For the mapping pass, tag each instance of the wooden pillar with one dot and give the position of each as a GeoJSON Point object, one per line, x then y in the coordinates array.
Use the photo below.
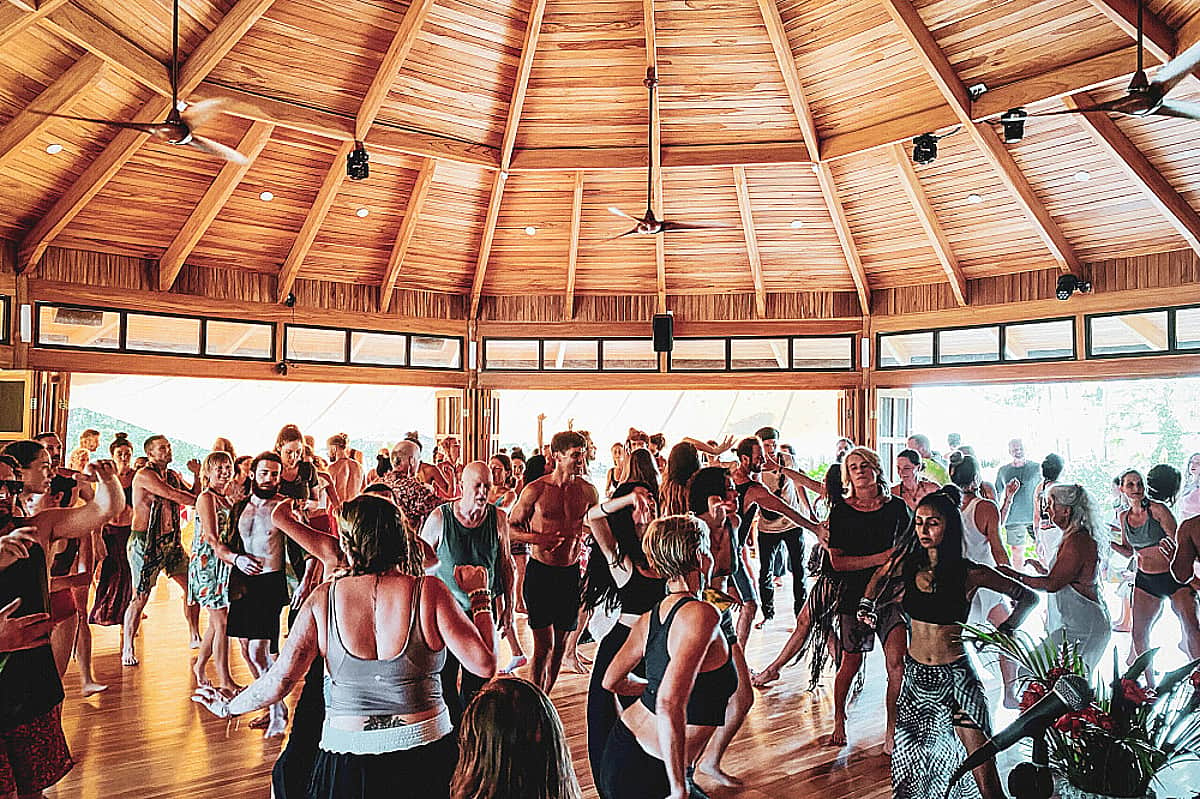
{"type": "Point", "coordinates": [481, 431]}
{"type": "Point", "coordinates": [52, 402]}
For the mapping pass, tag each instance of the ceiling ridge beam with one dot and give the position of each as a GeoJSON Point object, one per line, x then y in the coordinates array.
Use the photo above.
{"type": "Point", "coordinates": [334, 175]}
{"type": "Point", "coordinates": [1160, 39]}
{"type": "Point", "coordinates": [516, 104]}
{"type": "Point", "coordinates": [791, 76]}
{"type": "Point", "coordinates": [389, 68]}
{"type": "Point", "coordinates": [928, 219]}
{"type": "Point", "coordinates": [485, 243]}
{"type": "Point", "coordinates": [573, 246]}
{"type": "Point", "coordinates": [655, 150]}
{"type": "Point", "coordinates": [214, 199]}
{"type": "Point", "coordinates": [1109, 136]}
{"type": "Point", "coordinates": [82, 29]}
{"type": "Point", "coordinates": [404, 235]}
{"type": "Point", "coordinates": [17, 17]}
{"type": "Point", "coordinates": [203, 60]}
{"type": "Point", "coordinates": [742, 186]}
{"type": "Point", "coordinates": [57, 98]}
{"type": "Point", "coordinates": [841, 226]}
{"type": "Point", "coordinates": [954, 92]}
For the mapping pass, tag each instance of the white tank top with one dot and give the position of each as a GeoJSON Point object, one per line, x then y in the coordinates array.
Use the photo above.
{"type": "Point", "coordinates": [975, 544]}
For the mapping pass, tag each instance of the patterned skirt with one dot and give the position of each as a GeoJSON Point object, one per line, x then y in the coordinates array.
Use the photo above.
{"type": "Point", "coordinates": [208, 577]}
{"type": "Point", "coordinates": [115, 586]}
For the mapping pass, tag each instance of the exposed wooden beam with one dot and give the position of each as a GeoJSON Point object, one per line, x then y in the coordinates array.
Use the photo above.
{"type": "Point", "coordinates": [485, 244]}
{"type": "Point", "coordinates": [742, 186]}
{"type": "Point", "coordinates": [57, 98]}
{"type": "Point", "coordinates": [926, 48]}
{"type": "Point", "coordinates": [841, 226]}
{"type": "Point", "coordinates": [528, 50]}
{"type": "Point", "coordinates": [404, 236]}
{"type": "Point", "coordinates": [1106, 133]}
{"type": "Point", "coordinates": [655, 149]}
{"type": "Point", "coordinates": [16, 17]}
{"type": "Point", "coordinates": [1159, 38]}
{"type": "Point", "coordinates": [791, 75]}
{"type": "Point", "coordinates": [1154, 336]}
{"type": "Point", "coordinates": [573, 247]}
{"type": "Point", "coordinates": [203, 59]}
{"type": "Point", "coordinates": [389, 68]}
{"type": "Point", "coordinates": [83, 30]}
{"type": "Point", "coordinates": [334, 175]}
{"type": "Point", "coordinates": [674, 156]}
{"type": "Point", "coordinates": [928, 218]}
{"type": "Point", "coordinates": [210, 205]}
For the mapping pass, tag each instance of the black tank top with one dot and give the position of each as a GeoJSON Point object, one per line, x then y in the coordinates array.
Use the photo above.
{"type": "Point", "coordinates": [29, 682]}
{"type": "Point", "coordinates": [641, 593]}
{"type": "Point", "coordinates": [712, 690]}
{"type": "Point", "coordinates": [947, 603]}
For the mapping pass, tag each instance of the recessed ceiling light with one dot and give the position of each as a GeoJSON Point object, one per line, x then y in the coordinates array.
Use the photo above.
{"type": "Point", "coordinates": [361, 212]}
{"type": "Point", "coordinates": [974, 198]}
{"type": "Point", "coordinates": [1083, 176]}
{"type": "Point", "coordinates": [54, 149]}
{"type": "Point", "coordinates": [530, 230]}
{"type": "Point", "coordinates": [797, 223]}
{"type": "Point", "coordinates": [266, 196]}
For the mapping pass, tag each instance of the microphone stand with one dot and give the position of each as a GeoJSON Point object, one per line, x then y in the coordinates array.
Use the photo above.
{"type": "Point", "coordinates": [1033, 779]}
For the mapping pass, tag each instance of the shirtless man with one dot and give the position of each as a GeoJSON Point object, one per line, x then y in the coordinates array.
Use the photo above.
{"type": "Point", "coordinates": [154, 543]}
{"type": "Point", "coordinates": [346, 472]}
{"type": "Point", "coordinates": [429, 474]}
{"type": "Point", "coordinates": [549, 515]}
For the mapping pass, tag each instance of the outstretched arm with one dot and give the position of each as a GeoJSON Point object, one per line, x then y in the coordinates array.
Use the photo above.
{"type": "Point", "coordinates": [759, 495]}
{"type": "Point", "coordinates": [78, 522]}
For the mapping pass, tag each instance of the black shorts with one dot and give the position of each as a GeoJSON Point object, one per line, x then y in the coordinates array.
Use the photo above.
{"type": "Point", "coordinates": [552, 595]}
{"type": "Point", "coordinates": [255, 614]}
{"type": "Point", "coordinates": [1161, 585]}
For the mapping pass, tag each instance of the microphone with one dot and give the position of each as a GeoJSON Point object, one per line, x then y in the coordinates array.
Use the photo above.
{"type": "Point", "coordinates": [1070, 693]}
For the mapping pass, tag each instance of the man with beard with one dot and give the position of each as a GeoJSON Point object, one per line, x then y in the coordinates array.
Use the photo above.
{"type": "Point", "coordinates": [258, 586]}
{"type": "Point", "coordinates": [776, 530]}
{"type": "Point", "coordinates": [470, 531]}
{"type": "Point", "coordinates": [549, 515]}
{"type": "Point", "coordinates": [154, 541]}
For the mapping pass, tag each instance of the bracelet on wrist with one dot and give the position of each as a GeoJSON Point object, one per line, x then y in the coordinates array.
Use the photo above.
{"type": "Point", "coordinates": [480, 592]}
{"type": "Point", "coordinates": [478, 611]}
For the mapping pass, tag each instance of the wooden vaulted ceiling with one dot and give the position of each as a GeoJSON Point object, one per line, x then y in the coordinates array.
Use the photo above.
{"type": "Point", "coordinates": [785, 121]}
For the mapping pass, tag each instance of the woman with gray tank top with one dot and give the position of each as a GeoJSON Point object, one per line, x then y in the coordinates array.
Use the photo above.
{"type": "Point", "coordinates": [384, 630]}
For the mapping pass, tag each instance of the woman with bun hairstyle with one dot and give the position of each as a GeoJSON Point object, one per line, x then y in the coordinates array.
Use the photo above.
{"type": "Point", "coordinates": [114, 588]}
{"type": "Point", "coordinates": [942, 712]}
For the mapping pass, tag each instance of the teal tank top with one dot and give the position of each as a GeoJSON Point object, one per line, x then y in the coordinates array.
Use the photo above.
{"type": "Point", "coordinates": [1146, 534]}
{"type": "Point", "coordinates": [468, 546]}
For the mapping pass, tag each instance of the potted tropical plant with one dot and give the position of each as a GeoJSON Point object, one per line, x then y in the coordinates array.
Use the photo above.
{"type": "Point", "coordinates": [1127, 735]}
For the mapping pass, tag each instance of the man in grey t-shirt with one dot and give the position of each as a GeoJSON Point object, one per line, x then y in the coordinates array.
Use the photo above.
{"type": "Point", "coordinates": [1016, 482]}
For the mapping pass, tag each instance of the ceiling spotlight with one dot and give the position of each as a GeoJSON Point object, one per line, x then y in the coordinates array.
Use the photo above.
{"type": "Point", "coordinates": [530, 230]}
{"type": "Point", "coordinates": [290, 300]}
{"type": "Point", "coordinates": [356, 162]}
{"type": "Point", "coordinates": [974, 199]}
{"type": "Point", "coordinates": [1083, 176]}
{"type": "Point", "coordinates": [1013, 121]}
{"type": "Point", "coordinates": [281, 368]}
{"type": "Point", "coordinates": [54, 149]}
{"type": "Point", "coordinates": [924, 149]}
{"type": "Point", "coordinates": [361, 213]}
{"type": "Point", "coordinates": [797, 223]}
{"type": "Point", "coordinates": [1069, 285]}
{"type": "Point", "coordinates": [266, 196]}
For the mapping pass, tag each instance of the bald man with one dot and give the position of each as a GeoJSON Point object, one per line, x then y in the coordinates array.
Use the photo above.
{"type": "Point", "coordinates": [409, 493]}
{"type": "Point", "coordinates": [470, 531]}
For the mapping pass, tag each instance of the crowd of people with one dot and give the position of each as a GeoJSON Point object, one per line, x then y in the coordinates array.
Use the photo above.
{"type": "Point", "coordinates": [400, 583]}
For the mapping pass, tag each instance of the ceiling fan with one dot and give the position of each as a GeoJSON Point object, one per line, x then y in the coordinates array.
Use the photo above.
{"type": "Point", "coordinates": [649, 224]}
{"type": "Point", "coordinates": [183, 120]}
{"type": "Point", "coordinates": [1146, 97]}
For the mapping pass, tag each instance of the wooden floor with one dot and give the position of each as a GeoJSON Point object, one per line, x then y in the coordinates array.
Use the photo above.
{"type": "Point", "coordinates": [144, 738]}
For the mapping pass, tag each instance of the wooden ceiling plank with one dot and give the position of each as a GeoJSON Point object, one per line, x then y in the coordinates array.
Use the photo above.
{"type": "Point", "coordinates": [404, 236]}
{"type": "Point", "coordinates": [841, 226]}
{"type": "Point", "coordinates": [791, 76]}
{"type": "Point", "coordinates": [80, 28]}
{"type": "Point", "coordinates": [485, 244]}
{"type": "Point", "coordinates": [57, 98]}
{"type": "Point", "coordinates": [742, 185]}
{"type": "Point", "coordinates": [334, 175]}
{"type": "Point", "coordinates": [528, 50]}
{"type": "Point", "coordinates": [210, 205]}
{"type": "Point", "coordinates": [933, 229]}
{"type": "Point", "coordinates": [926, 48]}
{"type": "Point", "coordinates": [203, 60]}
{"type": "Point", "coordinates": [573, 251]}
{"type": "Point", "coordinates": [1159, 38]}
{"type": "Point", "coordinates": [389, 69]}
{"type": "Point", "coordinates": [18, 15]}
{"type": "Point", "coordinates": [1108, 135]}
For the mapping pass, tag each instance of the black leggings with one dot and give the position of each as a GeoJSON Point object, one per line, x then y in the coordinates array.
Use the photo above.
{"type": "Point", "coordinates": [458, 691]}
{"type": "Point", "coordinates": [628, 771]}
{"type": "Point", "coordinates": [293, 770]}
{"type": "Point", "coordinates": [601, 709]}
{"type": "Point", "coordinates": [768, 545]}
{"type": "Point", "coordinates": [421, 773]}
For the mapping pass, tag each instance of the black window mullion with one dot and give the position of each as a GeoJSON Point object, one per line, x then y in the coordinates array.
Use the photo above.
{"type": "Point", "coordinates": [541, 364]}
{"type": "Point", "coordinates": [1171, 339]}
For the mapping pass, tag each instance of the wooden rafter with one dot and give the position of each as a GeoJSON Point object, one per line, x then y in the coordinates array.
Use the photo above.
{"type": "Point", "coordinates": [1159, 38]}
{"type": "Point", "coordinates": [926, 48]}
{"type": "Point", "coordinates": [203, 60]}
{"type": "Point", "coordinates": [57, 98]}
{"type": "Point", "coordinates": [404, 236]}
{"type": "Point", "coordinates": [210, 205]}
{"type": "Point", "coordinates": [842, 226]}
{"type": "Point", "coordinates": [389, 68]}
{"type": "Point", "coordinates": [485, 244]}
{"type": "Point", "coordinates": [933, 229]}
{"type": "Point", "coordinates": [334, 175]}
{"type": "Point", "coordinates": [1106, 133]}
{"type": "Point", "coordinates": [742, 187]}
{"type": "Point", "coordinates": [16, 17]}
{"type": "Point", "coordinates": [573, 251]}
{"type": "Point", "coordinates": [85, 31]}
{"type": "Point", "coordinates": [655, 165]}
{"type": "Point", "coordinates": [791, 76]}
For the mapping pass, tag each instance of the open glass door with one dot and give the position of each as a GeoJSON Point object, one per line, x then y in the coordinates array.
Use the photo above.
{"type": "Point", "coordinates": [893, 416]}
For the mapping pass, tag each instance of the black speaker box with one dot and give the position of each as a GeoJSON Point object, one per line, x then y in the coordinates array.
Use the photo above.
{"type": "Point", "coordinates": [664, 332]}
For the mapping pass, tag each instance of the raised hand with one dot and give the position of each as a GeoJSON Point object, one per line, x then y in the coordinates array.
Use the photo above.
{"type": "Point", "coordinates": [102, 469]}
{"type": "Point", "coordinates": [26, 632]}
{"type": "Point", "coordinates": [471, 578]}
{"type": "Point", "coordinates": [15, 545]}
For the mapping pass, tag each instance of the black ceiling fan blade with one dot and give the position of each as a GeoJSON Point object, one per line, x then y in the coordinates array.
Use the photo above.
{"type": "Point", "coordinates": [1179, 109]}
{"type": "Point", "coordinates": [1178, 68]}
{"type": "Point", "coordinates": [632, 232]}
{"type": "Point", "coordinates": [668, 225]}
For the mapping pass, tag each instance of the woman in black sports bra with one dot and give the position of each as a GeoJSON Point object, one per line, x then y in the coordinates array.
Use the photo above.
{"type": "Point", "coordinates": [690, 675]}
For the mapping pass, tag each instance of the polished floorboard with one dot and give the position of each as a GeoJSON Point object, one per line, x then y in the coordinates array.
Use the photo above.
{"type": "Point", "coordinates": [144, 739]}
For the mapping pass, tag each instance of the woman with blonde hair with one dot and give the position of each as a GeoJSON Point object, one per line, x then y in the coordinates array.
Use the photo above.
{"type": "Point", "coordinates": [209, 567]}
{"type": "Point", "coordinates": [511, 745]}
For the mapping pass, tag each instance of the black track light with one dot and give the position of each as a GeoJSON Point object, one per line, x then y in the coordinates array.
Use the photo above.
{"type": "Point", "coordinates": [1069, 284]}
{"type": "Point", "coordinates": [281, 368]}
{"type": "Point", "coordinates": [924, 149]}
{"type": "Point", "coordinates": [356, 162]}
{"type": "Point", "coordinates": [1013, 121]}
{"type": "Point", "coordinates": [290, 300]}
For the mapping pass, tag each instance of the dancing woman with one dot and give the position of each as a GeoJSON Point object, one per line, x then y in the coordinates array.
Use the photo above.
{"type": "Point", "coordinates": [209, 567]}
{"type": "Point", "coordinates": [114, 588]}
{"type": "Point", "coordinates": [912, 486]}
{"type": "Point", "coordinates": [690, 675]}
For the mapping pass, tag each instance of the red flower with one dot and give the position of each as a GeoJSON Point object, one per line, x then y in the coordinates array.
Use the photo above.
{"type": "Point", "coordinates": [1133, 692]}
{"type": "Point", "coordinates": [1074, 724]}
{"type": "Point", "coordinates": [1033, 693]}
{"type": "Point", "coordinates": [1071, 724]}
{"type": "Point", "coordinates": [1195, 679]}
{"type": "Point", "coordinates": [1057, 672]}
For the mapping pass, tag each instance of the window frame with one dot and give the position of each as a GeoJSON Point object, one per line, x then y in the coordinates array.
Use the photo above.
{"type": "Point", "coordinates": [1003, 344]}
{"type": "Point", "coordinates": [1171, 337]}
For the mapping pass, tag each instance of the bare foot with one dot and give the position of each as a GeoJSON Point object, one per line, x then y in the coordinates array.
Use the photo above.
{"type": "Point", "coordinates": [514, 664]}
{"type": "Point", "coordinates": [1122, 627]}
{"type": "Point", "coordinates": [758, 625]}
{"type": "Point", "coordinates": [260, 722]}
{"type": "Point", "coordinates": [92, 688]}
{"type": "Point", "coordinates": [889, 744]}
{"type": "Point", "coordinates": [764, 677]}
{"type": "Point", "coordinates": [718, 775]}
{"type": "Point", "coordinates": [838, 736]}
{"type": "Point", "coordinates": [573, 666]}
{"type": "Point", "coordinates": [128, 658]}
{"type": "Point", "coordinates": [198, 672]}
{"type": "Point", "coordinates": [229, 688]}
{"type": "Point", "coordinates": [587, 661]}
